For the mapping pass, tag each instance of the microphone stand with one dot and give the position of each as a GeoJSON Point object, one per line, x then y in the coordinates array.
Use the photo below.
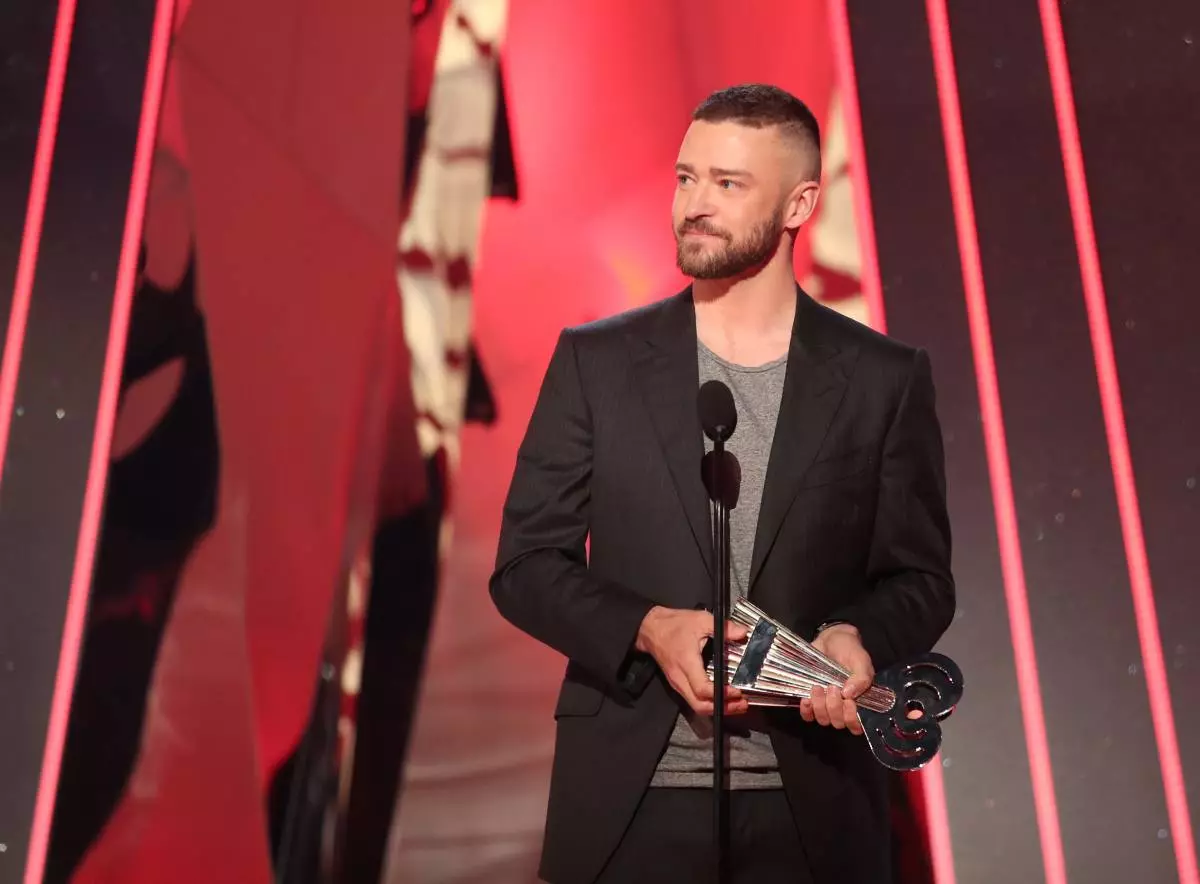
{"type": "Point", "coordinates": [720, 528]}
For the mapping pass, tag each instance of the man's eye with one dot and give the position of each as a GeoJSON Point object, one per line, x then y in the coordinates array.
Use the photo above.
{"type": "Point", "coordinates": [727, 184]}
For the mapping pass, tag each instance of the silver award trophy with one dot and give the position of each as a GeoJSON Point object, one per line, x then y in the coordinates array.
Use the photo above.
{"type": "Point", "coordinates": [775, 667]}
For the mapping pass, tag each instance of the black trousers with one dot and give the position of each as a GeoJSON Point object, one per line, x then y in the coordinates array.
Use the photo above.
{"type": "Point", "coordinates": [670, 840]}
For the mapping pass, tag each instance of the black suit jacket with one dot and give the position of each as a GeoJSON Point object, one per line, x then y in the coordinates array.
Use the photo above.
{"type": "Point", "coordinates": [852, 526]}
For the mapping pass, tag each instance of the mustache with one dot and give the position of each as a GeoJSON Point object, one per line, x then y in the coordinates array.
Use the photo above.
{"type": "Point", "coordinates": [701, 226]}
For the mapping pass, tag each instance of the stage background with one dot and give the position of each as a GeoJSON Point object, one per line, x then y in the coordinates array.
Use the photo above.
{"type": "Point", "coordinates": [325, 304]}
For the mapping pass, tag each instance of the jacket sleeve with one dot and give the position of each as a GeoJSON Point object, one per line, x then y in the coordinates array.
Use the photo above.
{"type": "Point", "coordinates": [911, 596]}
{"type": "Point", "coordinates": [541, 583]}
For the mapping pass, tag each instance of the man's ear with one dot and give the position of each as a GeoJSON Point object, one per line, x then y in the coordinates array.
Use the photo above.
{"type": "Point", "coordinates": [801, 204]}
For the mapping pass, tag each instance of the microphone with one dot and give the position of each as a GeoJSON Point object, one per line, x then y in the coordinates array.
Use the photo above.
{"type": "Point", "coordinates": [718, 417]}
{"type": "Point", "coordinates": [718, 414]}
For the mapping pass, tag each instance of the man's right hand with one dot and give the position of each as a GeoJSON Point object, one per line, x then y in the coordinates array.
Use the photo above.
{"type": "Point", "coordinates": [675, 638]}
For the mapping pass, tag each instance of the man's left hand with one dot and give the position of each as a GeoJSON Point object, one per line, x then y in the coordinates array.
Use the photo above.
{"type": "Point", "coordinates": [835, 707]}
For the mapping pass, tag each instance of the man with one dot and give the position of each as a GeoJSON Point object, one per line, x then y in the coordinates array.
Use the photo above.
{"type": "Point", "coordinates": [839, 531]}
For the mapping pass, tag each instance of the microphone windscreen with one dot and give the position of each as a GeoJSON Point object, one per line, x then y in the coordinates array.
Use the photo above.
{"type": "Point", "coordinates": [718, 414]}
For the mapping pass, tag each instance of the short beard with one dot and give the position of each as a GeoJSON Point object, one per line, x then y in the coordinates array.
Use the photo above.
{"type": "Point", "coordinates": [737, 258]}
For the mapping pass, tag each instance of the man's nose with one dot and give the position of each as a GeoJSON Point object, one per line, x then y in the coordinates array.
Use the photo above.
{"type": "Point", "coordinates": [698, 207]}
{"type": "Point", "coordinates": [699, 202]}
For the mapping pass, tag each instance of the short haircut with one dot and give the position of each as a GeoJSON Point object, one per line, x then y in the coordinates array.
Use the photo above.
{"type": "Point", "coordinates": [757, 105]}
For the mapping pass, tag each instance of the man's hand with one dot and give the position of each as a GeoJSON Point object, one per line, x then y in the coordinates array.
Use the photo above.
{"type": "Point", "coordinates": [836, 707]}
{"type": "Point", "coordinates": [674, 638]}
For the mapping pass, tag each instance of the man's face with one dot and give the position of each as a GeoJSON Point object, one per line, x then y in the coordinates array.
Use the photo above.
{"type": "Point", "coordinates": [729, 208]}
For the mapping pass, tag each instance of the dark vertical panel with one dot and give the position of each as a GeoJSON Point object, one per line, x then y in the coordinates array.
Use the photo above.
{"type": "Point", "coordinates": [1136, 72]}
{"type": "Point", "coordinates": [1106, 774]}
{"type": "Point", "coordinates": [57, 395]}
{"type": "Point", "coordinates": [160, 499]}
{"type": "Point", "coordinates": [990, 804]}
{"type": "Point", "coordinates": [26, 32]}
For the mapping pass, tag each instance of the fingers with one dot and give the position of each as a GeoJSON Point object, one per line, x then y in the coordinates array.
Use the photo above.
{"type": "Point", "coordinates": [693, 670]}
{"type": "Point", "coordinates": [735, 703]}
{"type": "Point", "coordinates": [679, 681]}
{"type": "Point", "coordinates": [855, 685]}
{"type": "Point", "coordinates": [680, 659]}
{"type": "Point", "coordinates": [706, 694]}
{"type": "Point", "coordinates": [706, 626]}
{"type": "Point", "coordinates": [735, 633]}
{"type": "Point", "coordinates": [830, 708]}
{"type": "Point", "coordinates": [850, 712]}
{"type": "Point", "coordinates": [820, 708]}
{"type": "Point", "coordinates": [836, 707]}
{"type": "Point", "coordinates": [701, 699]}
{"type": "Point", "coordinates": [688, 677]}
{"type": "Point", "coordinates": [702, 691]}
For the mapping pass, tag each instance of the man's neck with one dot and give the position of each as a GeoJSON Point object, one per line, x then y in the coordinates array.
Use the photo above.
{"type": "Point", "coordinates": [748, 320]}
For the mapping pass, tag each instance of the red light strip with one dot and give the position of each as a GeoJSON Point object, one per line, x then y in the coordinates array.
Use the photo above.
{"type": "Point", "coordinates": [81, 579]}
{"type": "Point", "coordinates": [31, 237]}
{"type": "Point", "coordinates": [1157, 685]}
{"type": "Point", "coordinates": [996, 443]}
{"type": "Point", "coordinates": [937, 818]}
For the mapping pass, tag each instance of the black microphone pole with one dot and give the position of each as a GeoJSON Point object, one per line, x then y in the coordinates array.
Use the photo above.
{"type": "Point", "coordinates": [720, 676]}
{"type": "Point", "coordinates": [718, 417]}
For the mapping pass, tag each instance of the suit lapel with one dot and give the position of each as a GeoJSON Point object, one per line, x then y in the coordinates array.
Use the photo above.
{"type": "Point", "coordinates": [818, 372]}
{"type": "Point", "coordinates": [665, 364]}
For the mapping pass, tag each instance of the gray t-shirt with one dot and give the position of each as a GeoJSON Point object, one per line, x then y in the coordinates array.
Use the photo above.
{"type": "Point", "coordinates": [687, 761]}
